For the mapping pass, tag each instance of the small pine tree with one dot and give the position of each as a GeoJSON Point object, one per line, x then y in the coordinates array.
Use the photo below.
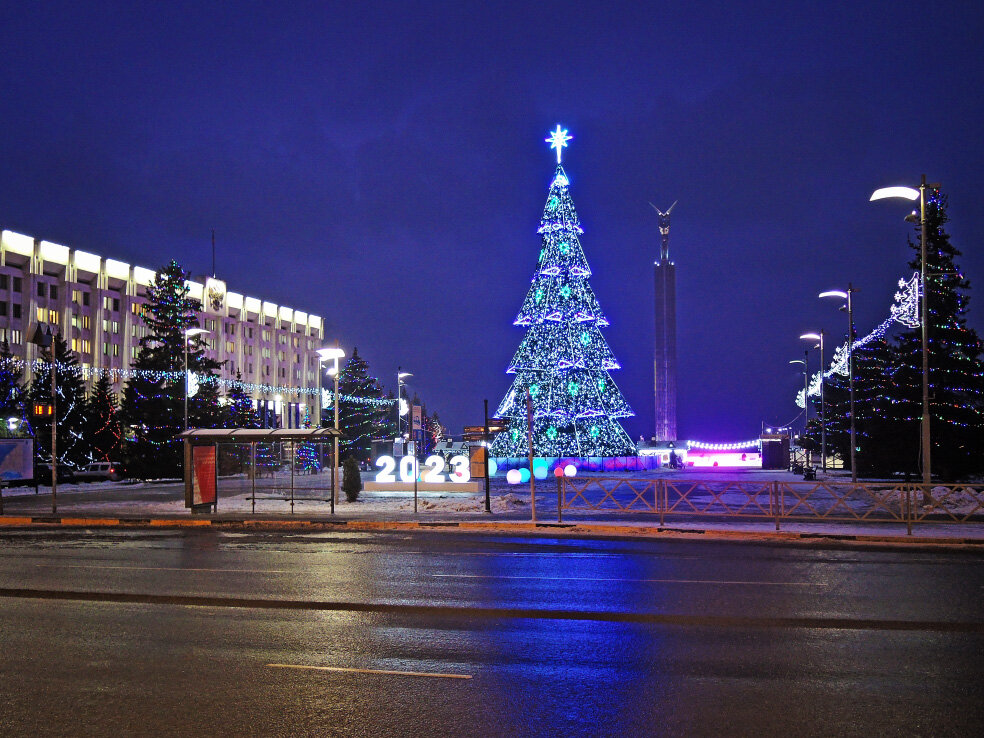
{"type": "Point", "coordinates": [73, 448]}
{"type": "Point", "coordinates": [103, 428]}
{"type": "Point", "coordinates": [351, 478]}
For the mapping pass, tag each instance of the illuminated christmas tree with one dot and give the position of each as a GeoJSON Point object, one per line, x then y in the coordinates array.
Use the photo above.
{"type": "Point", "coordinates": [364, 415]}
{"type": "Point", "coordinates": [563, 362]}
{"type": "Point", "coordinates": [73, 448]}
{"type": "Point", "coordinates": [104, 431]}
{"type": "Point", "coordinates": [154, 397]}
{"type": "Point", "coordinates": [12, 388]}
{"type": "Point", "coordinates": [956, 373]}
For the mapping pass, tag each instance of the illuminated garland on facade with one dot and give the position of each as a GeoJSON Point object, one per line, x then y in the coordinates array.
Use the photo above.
{"type": "Point", "coordinates": [87, 372]}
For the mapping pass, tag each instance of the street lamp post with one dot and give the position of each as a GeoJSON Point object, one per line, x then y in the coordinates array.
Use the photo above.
{"type": "Point", "coordinates": [334, 353]}
{"type": "Point", "coordinates": [188, 333]}
{"type": "Point", "coordinates": [46, 339]}
{"type": "Point", "coordinates": [823, 414]}
{"type": "Point", "coordinates": [908, 193]}
{"type": "Point", "coordinates": [806, 402]}
{"type": "Point", "coordinates": [400, 376]}
{"type": "Point", "coordinates": [850, 364]}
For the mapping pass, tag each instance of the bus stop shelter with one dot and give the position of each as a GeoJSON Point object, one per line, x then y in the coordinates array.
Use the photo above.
{"type": "Point", "coordinates": [270, 464]}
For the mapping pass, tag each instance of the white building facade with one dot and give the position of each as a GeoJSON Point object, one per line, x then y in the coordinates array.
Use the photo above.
{"type": "Point", "coordinates": [96, 304]}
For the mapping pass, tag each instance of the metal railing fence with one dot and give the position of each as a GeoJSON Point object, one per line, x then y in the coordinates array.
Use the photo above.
{"type": "Point", "coordinates": [773, 500]}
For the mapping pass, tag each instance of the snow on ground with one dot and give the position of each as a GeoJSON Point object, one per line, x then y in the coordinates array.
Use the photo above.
{"type": "Point", "coordinates": [704, 494]}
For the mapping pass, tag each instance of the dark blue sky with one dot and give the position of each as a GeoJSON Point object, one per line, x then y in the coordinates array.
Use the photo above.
{"type": "Point", "coordinates": [383, 165]}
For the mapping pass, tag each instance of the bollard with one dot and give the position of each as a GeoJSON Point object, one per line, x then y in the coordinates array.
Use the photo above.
{"type": "Point", "coordinates": [560, 497]}
{"type": "Point", "coordinates": [776, 497]}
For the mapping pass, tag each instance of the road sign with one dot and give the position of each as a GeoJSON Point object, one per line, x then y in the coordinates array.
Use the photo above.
{"type": "Point", "coordinates": [477, 432]}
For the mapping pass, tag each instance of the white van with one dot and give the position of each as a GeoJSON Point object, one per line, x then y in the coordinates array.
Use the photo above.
{"type": "Point", "coordinates": [99, 470]}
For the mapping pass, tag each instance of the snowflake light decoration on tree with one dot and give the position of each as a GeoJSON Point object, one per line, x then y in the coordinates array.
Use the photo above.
{"type": "Point", "coordinates": [563, 361]}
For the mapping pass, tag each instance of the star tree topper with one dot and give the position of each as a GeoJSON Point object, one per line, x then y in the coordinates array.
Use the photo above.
{"type": "Point", "coordinates": [558, 140]}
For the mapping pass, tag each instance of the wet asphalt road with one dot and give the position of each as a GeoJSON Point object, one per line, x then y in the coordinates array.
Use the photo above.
{"type": "Point", "coordinates": [213, 633]}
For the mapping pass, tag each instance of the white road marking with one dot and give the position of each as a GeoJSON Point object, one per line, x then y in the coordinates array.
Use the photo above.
{"type": "Point", "coordinates": [163, 568]}
{"type": "Point", "coordinates": [614, 579]}
{"type": "Point", "coordinates": [370, 671]}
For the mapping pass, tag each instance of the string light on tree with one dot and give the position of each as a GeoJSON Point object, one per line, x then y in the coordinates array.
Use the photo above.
{"type": "Point", "coordinates": [563, 361]}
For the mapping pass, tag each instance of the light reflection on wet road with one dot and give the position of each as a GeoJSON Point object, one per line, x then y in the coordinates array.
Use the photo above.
{"type": "Point", "coordinates": [177, 631]}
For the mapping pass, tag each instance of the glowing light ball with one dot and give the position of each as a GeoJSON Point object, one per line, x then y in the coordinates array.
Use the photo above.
{"type": "Point", "coordinates": [524, 475]}
{"type": "Point", "coordinates": [493, 468]}
{"type": "Point", "coordinates": [513, 476]}
{"type": "Point", "coordinates": [540, 469]}
{"type": "Point", "coordinates": [570, 470]}
{"type": "Point", "coordinates": [559, 471]}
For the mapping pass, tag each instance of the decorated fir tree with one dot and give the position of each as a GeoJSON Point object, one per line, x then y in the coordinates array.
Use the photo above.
{"type": "Point", "coordinates": [12, 390]}
{"type": "Point", "coordinates": [881, 450]}
{"type": "Point", "coordinates": [362, 410]}
{"type": "Point", "coordinates": [103, 429]}
{"type": "Point", "coordinates": [563, 362]}
{"type": "Point", "coordinates": [153, 400]}
{"type": "Point", "coordinates": [73, 448]}
{"type": "Point", "coordinates": [956, 374]}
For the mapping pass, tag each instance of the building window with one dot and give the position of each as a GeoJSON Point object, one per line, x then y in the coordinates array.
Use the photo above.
{"type": "Point", "coordinates": [18, 282]}
{"type": "Point", "coordinates": [53, 292]}
{"type": "Point", "coordinates": [17, 310]}
{"type": "Point", "coordinates": [41, 289]}
{"type": "Point", "coordinates": [282, 355]}
{"type": "Point", "coordinates": [53, 317]}
{"type": "Point", "coordinates": [16, 337]}
{"type": "Point", "coordinates": [3, 309]}
{"type": "Point", "coordinates": [230, 346]}
{"type": "Point", "coordinates": [85, 299]}
{"type": "Point", "coordinates": [4, 282]}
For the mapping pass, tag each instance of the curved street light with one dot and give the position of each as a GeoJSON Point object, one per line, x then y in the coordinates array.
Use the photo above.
{"type": "Point", "coordinates": [823, 414]}
{"type": "Point", "coordinates": [332, 353]}
{"type": "Point", "coordinates": [188, 334]}
{"type": "Point", "coordinates": [909, 193]}
{"type": "Point", "coordinates": [846, 296]}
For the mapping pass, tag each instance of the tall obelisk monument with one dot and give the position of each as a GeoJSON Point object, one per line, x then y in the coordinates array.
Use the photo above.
{"type": "Point", "coordinates": [665, 350]}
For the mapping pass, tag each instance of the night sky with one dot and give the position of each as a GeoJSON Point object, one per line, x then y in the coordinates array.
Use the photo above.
{"type": "Point", "coordinates": [383, 165]}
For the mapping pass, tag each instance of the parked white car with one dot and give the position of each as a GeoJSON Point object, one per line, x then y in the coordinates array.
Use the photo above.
{"type": "Point", "coordinates": [100, 470]}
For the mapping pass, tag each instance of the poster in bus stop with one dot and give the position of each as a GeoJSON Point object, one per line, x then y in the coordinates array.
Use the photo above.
{"type": "Point", "coordinates": [203, 477]}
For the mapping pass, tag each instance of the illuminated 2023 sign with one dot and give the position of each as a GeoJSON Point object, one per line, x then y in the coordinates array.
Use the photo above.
{"type": "Point", "coordinates": [433, 471]}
